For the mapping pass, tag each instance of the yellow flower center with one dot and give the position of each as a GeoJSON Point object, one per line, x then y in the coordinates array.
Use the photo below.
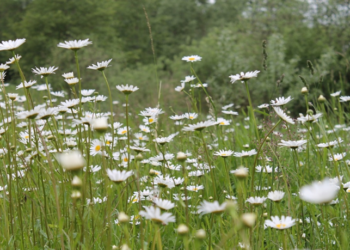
{"type": "Point", "coordinates": [222, 123]}
{"type": "Point", "coordinates": [281, 225]}
{"type": "Point", "coordinates": [191, 117]}
{"type": "Point", "coordinates": [140, 138]}
{"type": "Point", "coordinates": [107, 142]}
{"type": "Point", "coordinates": [191, 59]}
{"type": "Point", "coordinates": [26, 137]}
{"type": "Point", "coordinates": [125, 159]}
{"type": "Point", "coordinates": [134, 200]}
{"type": "Point", "coordinates": [150, 120]}
{"type": "Point", "coordinates": [195, 189]}
{"type": "Point", "coordinates": [98, 148]}
{"type": "Point", "coordinates": [124, 131]}
{"type": "Point", "coordinates": [223, 154]}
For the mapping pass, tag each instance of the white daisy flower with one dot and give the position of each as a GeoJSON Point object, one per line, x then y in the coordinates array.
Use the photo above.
{"type": "Point", "coordinates": [245, 153]}
{"type": "Point", "coordinates": [292, 144]}
{"type": "Point", "coordinates": [70, 103]}
{"type": "Point", "coordinates": [283, 223]}
{"type": "Point", "coordinates": [344, 98]}
{"type": "Point", "coordinates": [329, 144]}
{"type": "Point", "coordinates": [100, 66]}
{"type": "Point", "coordinates": [280, 101]}
{"type": "Point", "coordinates": [71, 160]}
{"type": "Point", "coordinates": [195, 188]}
{"type": "Point", "coordinates": [87, 92]}
{"type": "Point", "coordinates": [244, 76]}
{"type": "Point", "coordinates": [263, 106]}
{"type": "Point", "coordinates": [283, 115]}
{"type": "Point", "coordinates": [188, 79]}
{"type": "Point", "coordinates": [71, 81]}
{"type": "Point", "coordinates": [180, 88]}
{"type": "Point", "coordinates": [45, 71]}
{"type": "Point", "coordinates": [163, 204]}
{"type": "Point", "coordinates": [336, 93]}
{"type": "Point", "coordinates": [12, 60]}
{"type": "Point", "coordinates": [26, 84]}
{"type": "Point", "coordinates": [57, 93]}
{"type": "Point", "coordinates": [164, 181]}
{"type": "Point", "coordinates": [266, 169]}
{"type": "Point", "coordinates": [126, 89]}
{"type": "Point", "coordinates": [96, 147]}
{"type": "Point", "coordinates": [190, 116]}
{"type": "Point", "coordinates": [319, 192]}
{"type": "Point", "coordinates": [275, 195]}
{"type": "Point", "coordinates": [68, 75]}
{"type": "Point", "coordinates": [118, 176]}
{"type": "Point", "coordinates": [207, 207]}
{"type": "Point", "coordinates": [154, 214]}
{"type": "Point", "coordinates": [3, 67]}
{"type": "Point", "coordinates": [337, 157]}
{"type": "Point", "coordinates": [199, 85]}
{"type": "Point", "coordinates": [229, 112]}
{"type": "Point", "coordinates": [11, 44]}
{"type": "Point", "coordinates": [193, 58]}
{"type": "Point", "coordinates": [228, 106]}
{"type": "Point", "coordinates": [199, 126]}
{"type": "Point", "coordinates": [75, 44]}
{"type": "Point", "coordinates": [256, 200]}
{"type": "Point", "coordinates": [224, 153]}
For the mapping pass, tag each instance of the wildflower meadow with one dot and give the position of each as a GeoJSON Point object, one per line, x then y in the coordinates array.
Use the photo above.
{"type": "Point", "coordinates": [81, 170]}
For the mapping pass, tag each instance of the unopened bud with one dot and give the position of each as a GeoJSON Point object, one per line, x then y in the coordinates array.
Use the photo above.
{"type": "Point", "coordinates": [182, 229]}
{"type": "Point", "coordinates": [76, 194]}
{"type": "Point", "coordinates": [123, 217]}
{"type": "Point", "coordinates": [77, 182]}
{"type": "Point", "coordinates": [139, 157]}
{"type": "Point", "coordinates": [201, 234]}
{"type": "Point", "coordinates": [181, 156]}
{"type": "Point", "coordinates": [249, 219]}
{"type": "Point", "coordinates": [100, 124]}
{"type": "Point", "coordinates": [321, 98]}
{"type": "Point", "coordinates": [304, 90]}
{"type": "Point", "coordinates": [241, 173]}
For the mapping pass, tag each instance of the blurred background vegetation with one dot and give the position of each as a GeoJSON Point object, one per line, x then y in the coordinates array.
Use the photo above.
{"type": "Point", "coordinates": [228, 34]}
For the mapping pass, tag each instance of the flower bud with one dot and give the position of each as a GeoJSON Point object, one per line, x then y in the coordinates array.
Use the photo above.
{"type": "Point", "coordinates": [123, 217]}
{"type": "Point", "coordinates": [182, 229]}
{"type": "Point", "coordinates": [241, 173]}
{"type": "Point", "coordinates": [181, 156]}
{"type": "Point", "coordinates": [77, 182]}
{"type": "Point", "coordinates": [100, 124]}
{"type": "Point", "coordinates": [249, 219]}
{"type": "Point", "coordinates": [125, 247]}
{"type": "Point", "coordinates": [321, 98]}
{"type": "Point", "coordinates": [201, 234]}
{"type": "Point", "coordinates": [304, 91]}
{"type": "Point", "coordinates": [139, 157]}
{"type": "Point", "coordinates": [76, 194]}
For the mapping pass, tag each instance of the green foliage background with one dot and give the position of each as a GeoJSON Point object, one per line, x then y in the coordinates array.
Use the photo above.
{"type": "Point", "coordinates": [227, 34]}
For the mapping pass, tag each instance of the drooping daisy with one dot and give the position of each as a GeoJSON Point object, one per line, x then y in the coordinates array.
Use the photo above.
{"type": "Point", "coordinates": [154, 214]}
{"type": "Point", "coordinates": [100, 66]}
{"type": "Point", "coordinates": [207, 207]}
{"type": "Point", "coordinates": [75, 44]}
{"type": "Point", "coordinates": [280, 101]}
{"type": "Point", "coordinates": [11, 44]}
{"type": "Point", "coordinates": [283, 115]}
{"type": "Point", "coordinates": [283, 223]}
{"type": "Point", "coordinates": [127, 89]}
{"type": "Point", "coordinates": [96, 147]}
{"type": "Point", "coordinates": [224, 153]}
{"type": "Point", "coordinates": [275, 195]}
{"type": "Point", "coordinates": [193, 58]}
{"type": "Point", "coordinates": [319, 192]}
{"type": "Point", "coordinates": [244, 76]}
{"type": "Point", "coordinates": [118, 176]}
{"type": "Point", "coordinates": [292, 144]}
